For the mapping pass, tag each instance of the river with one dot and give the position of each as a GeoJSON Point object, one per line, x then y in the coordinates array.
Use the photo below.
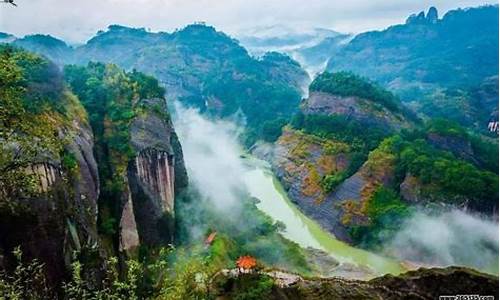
{"type": "Point", "coordinates": [216, 166]}
{"type": "Point", "coordinates": [262, 184]}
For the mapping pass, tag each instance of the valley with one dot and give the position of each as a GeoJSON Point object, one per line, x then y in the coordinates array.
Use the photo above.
{"type": "Point", "coordinates": [192, 165]}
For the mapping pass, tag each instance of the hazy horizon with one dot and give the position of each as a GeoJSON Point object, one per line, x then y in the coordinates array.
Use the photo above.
{"type": "Point", "coordinates": [233, 17]}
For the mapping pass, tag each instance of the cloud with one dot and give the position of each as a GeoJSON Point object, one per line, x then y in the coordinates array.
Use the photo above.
{"type": "Point", "coordinates": [451, 238]}
{"type": "Point", "coordinates": [77, 21]}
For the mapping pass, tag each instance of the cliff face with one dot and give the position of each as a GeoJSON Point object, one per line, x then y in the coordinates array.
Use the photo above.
{"type": "Point", "coordinates": [61, 218]}
{"type": "Point", "coordinates": [301, 162]}
{"type": "Point", "coordinates": [154, 176]}
{"type": "Point", "coordinates": [323, 172]}
{"type": "Point", "coordinates": [362, 110]}
{"type": "Point", "coordinates": [83, 178]}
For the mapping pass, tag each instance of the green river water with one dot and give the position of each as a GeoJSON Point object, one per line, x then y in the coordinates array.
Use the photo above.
{"type": "Point", "coordinates": [262, 184]}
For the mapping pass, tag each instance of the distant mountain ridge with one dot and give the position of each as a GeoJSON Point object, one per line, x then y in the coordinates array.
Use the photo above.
{"type": "Point", "coordinates": [197, 65]}
{"type": "Point", "coordinates": [437, 64]}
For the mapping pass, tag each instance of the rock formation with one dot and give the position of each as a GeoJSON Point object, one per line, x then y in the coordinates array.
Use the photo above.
{"type": "Point", "coordinates": [155, 174]}
{"type": "Point", "coordinates": [419, 284]}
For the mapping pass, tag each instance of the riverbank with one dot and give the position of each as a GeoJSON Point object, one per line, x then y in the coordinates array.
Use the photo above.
{"type": "Point", "coordinates": [354, 262]}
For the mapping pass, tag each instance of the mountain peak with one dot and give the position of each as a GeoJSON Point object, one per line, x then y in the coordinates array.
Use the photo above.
{"type": "Point", "coordinates": [422, 18]}
{"type": "Point", "coordinates": [43, 39]}
{"type": "Point", "coordinates": [432, 15]}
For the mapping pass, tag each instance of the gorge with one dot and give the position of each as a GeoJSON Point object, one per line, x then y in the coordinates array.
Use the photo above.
{"type": "Point", "coordinates": [157, 165]}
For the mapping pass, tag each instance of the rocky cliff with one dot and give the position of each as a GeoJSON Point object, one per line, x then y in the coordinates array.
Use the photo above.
{"type": "Point", "coordinates": [301, 162]}
{"type": "Point", "coordinates": [419, 284]}
{"type": "Point", "coordinates": [154, 176]}
{"type": "Point", "coordinates": [60, 219]}
{"type": "Point", "coordinates": [365, 111]}
{"type": "Point", "coordinates": [83, 182]}
{"type": "Point", "coordinates": [324, 162]}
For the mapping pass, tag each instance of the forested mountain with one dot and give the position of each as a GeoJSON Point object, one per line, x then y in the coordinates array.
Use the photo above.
{"type": "Point", "coordinates": [197, 65]}
{"type": "Point", "coordinates": [78, 181]}
{"type": "Point", "coordinates": [357, 161]}
{"type": "Point", "coordinates": [440, 65]}
{"type": "Point", "coordinates": [53, 48]}
{"type": "Point", "coordinates": [93, 185]}
{"type": "Point", "coordinates": [386, 165]}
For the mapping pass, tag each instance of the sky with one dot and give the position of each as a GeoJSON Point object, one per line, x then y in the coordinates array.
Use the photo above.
{"type": "Point", "coordinates": [77, 21]}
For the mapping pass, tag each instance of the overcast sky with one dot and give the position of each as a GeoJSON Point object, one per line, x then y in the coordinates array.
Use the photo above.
{"type": "Point", "coordinates": [77, 21]}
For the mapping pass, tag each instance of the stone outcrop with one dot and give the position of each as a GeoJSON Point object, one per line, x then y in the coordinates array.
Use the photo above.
{"type": "Point", "coordinates": [129, 238]}
{"type": "Point", "coordinates": [419, 284]}
{"type": "Point", "coordinates": [300, 161]}
{"type": "Point", "coordinates": [421, 18]}
{"type": "Point", "coordinates": [367, 112]}
{"type": "Point", "coordinates": [432, 15]}
{"type": "Point", "coordinates": [46, 175]}
{"type": "Point", "coordinates": [61, 218]}
{"type": "Point", "coordinates": [155, 170]}
{"type": "Point", "coordinates": [154, 177]}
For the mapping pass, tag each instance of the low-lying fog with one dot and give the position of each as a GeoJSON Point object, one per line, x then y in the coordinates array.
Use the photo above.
{"type": "Point", "coordinates": [451, 238]}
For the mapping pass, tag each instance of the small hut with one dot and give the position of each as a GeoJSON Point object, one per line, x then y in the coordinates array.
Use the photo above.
{"type": "Point", "coordinates": [210, 239]}
{"type": "Point", "coordinates": [246, 264]}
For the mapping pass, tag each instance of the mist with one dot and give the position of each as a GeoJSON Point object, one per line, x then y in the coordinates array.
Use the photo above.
{"type": "Point", "coordinates": [216, 171]}
{"type": "Point", "coordinates": [77, 24]}
{"type": "Point", "coordinates": [212, 156]}
{"type": "Point", "coordinates": [451, 238]}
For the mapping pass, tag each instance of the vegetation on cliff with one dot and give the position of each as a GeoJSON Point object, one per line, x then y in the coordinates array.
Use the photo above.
{"type": "Point", "coordinates": [447, 68]}
{"type": "Point", "coordinates": [348, 84]}
{"type": "Point", "coordinates": [434, 162]}
{"type": "Point", "coordinates": [111, 97]}
{"type": "Point", "coordinates": [441, 178]}
{"type": "Point", "coordinates": [35, 106]}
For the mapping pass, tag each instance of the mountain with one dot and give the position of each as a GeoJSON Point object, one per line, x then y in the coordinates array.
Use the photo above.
{"type": "Point", "coordinates": [6, 38]}
{"type": "Point", "coordinates": [281, 38]}
{"type": "Point", "coordinates": [311, 48]}
{"type": "Point", "coordinates": [357, 161]}
{"type": "Point", "coordinates": [85, 178]}
{"type": "Point", "coordinates": [48, 46]}
{"type": "Point", "coordinates": [199, 66]}
{"type": "Point", "coordinates": [433, 63]}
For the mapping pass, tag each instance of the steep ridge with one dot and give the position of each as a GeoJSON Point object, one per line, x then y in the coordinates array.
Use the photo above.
{"type": "Point", "coordinates": [155, 174]}
{"type": "Point", "coordinates": [437, 64]}
{"type": "Point", "coordinates": [50, 182]}
{"type": "Point", "coordinates": [358, 162]}
{"type": "Point", "coordinates": [81, 184]}
{"type": "Point", "coordinates": [140, 158]}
